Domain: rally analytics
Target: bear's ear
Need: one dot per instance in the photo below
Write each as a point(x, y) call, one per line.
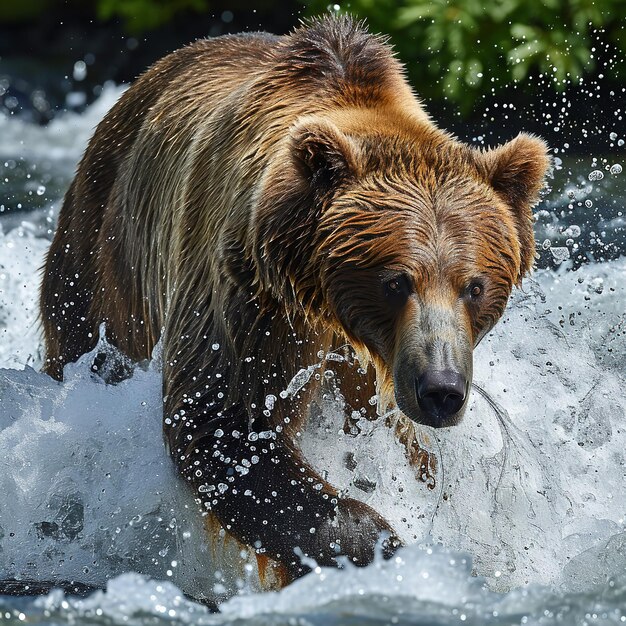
point(517, 172)
point(324, 156)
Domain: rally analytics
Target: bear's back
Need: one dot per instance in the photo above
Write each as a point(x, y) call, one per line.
point(332, 62)
point(178, 161)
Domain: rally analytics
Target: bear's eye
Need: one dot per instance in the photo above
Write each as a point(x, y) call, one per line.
point(397, 289)
point(475, 290)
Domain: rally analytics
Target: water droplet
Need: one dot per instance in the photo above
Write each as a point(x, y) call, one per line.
point(612, 136)
point(298, 381)
point(215, 347)
point(596, 175)
point(41, 190)
point(572, 231)
point(80, 70)
point(616, 169)
point(547, 244)
point(588, 203)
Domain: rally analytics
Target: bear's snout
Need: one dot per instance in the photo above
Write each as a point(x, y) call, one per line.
point(430, 394)
point(440, 395)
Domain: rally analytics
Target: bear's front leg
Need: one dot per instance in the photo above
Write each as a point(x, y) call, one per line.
point(264, 493)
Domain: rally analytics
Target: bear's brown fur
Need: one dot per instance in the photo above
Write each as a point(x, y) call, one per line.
point(255, 199)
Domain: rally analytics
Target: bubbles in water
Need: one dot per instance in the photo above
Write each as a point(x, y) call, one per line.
point(616, 169)
point(596, 175)
point(613, 136)
point(560, 253)
point(547, 244)
point(41, 189)
point(588, 203)
point(215, 347)
point(572, 231)
point(596, 285)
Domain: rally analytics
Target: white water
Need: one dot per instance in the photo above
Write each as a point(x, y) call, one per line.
point(537, 496)
point(528, 495)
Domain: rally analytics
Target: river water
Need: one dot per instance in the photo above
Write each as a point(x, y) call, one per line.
point(525, 524)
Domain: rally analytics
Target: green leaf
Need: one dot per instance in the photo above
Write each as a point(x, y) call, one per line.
point(525, 51)
point(472, 70)
point(409, 15)
point(523, 32)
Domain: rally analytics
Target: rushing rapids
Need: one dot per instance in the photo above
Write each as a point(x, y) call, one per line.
point(529, 490)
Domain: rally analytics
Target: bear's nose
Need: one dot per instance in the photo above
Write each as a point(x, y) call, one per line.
point(440, 394)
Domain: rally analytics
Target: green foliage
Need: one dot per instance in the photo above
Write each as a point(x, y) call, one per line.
point(457, 50)
point(142, 15)
point(15, 12)
point(461, 49)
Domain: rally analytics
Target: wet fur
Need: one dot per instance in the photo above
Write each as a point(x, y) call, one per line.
point(241, 193)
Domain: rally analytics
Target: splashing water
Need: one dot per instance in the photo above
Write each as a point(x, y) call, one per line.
point(529, 489)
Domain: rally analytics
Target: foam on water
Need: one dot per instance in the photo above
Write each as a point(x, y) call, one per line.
point(63, 139)
point(21, 255)
point(534, 476)
point(420, 586)
point(531, 484)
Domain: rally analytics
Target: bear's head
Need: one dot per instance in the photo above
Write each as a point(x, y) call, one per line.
point(406, 241)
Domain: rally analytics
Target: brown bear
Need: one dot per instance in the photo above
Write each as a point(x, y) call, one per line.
point(253, 200)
